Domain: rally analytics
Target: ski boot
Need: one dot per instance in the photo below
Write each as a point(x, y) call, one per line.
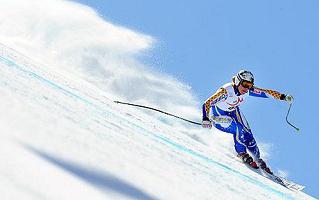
point(263, 166)
point(247, 159)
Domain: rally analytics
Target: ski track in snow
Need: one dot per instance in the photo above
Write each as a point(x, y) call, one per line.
point(111, 117)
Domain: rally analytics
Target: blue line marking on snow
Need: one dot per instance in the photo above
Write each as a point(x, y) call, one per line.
point(161, 138)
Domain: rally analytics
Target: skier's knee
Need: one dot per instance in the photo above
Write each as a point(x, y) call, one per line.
point(240, 148)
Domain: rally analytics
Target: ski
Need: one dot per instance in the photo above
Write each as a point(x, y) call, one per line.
point(286, 183)
point(277, 179)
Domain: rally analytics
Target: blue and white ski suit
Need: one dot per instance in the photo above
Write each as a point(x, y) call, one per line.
point(227, 117)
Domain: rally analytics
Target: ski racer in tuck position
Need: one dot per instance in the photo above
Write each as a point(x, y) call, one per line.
point(227, 117)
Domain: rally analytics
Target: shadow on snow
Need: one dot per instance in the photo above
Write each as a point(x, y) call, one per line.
point(101, 180)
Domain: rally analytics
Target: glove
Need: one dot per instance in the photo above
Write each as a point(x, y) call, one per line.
point(207, 123)
point(289, 98)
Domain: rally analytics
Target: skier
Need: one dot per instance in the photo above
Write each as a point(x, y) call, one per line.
point(227, 117)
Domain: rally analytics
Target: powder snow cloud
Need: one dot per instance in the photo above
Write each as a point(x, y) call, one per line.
point(73, 37)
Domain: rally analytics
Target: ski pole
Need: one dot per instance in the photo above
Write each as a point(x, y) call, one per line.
point(296, 128)
point(157, 110)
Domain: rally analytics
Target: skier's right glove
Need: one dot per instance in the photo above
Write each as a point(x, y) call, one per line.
point(289, 98)
point(206, 123)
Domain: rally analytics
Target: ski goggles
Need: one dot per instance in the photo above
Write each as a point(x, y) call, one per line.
point(247, 84)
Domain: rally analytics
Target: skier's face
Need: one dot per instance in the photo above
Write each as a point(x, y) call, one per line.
point(244, 87)
point(247, 84)
point(242, 90)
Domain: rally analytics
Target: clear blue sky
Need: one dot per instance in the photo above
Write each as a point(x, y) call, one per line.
point(204, 43)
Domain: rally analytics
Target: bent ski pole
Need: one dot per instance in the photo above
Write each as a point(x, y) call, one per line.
point(296, 128)
point(157, 110)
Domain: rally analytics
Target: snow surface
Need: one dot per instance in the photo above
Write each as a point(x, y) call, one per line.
point(62, 138)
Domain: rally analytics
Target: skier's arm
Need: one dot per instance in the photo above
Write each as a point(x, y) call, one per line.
point(219, 96)
point(266, 93)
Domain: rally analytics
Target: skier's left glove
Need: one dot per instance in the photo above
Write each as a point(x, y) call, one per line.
point(207, 123)
point(289, 98)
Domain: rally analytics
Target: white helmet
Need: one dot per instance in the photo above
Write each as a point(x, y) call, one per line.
point(243, 75)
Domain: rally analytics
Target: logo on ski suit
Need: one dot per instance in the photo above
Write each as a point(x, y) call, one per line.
point(235, 103)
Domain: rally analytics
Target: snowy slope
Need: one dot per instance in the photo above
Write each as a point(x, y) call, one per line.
point(63, 138)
